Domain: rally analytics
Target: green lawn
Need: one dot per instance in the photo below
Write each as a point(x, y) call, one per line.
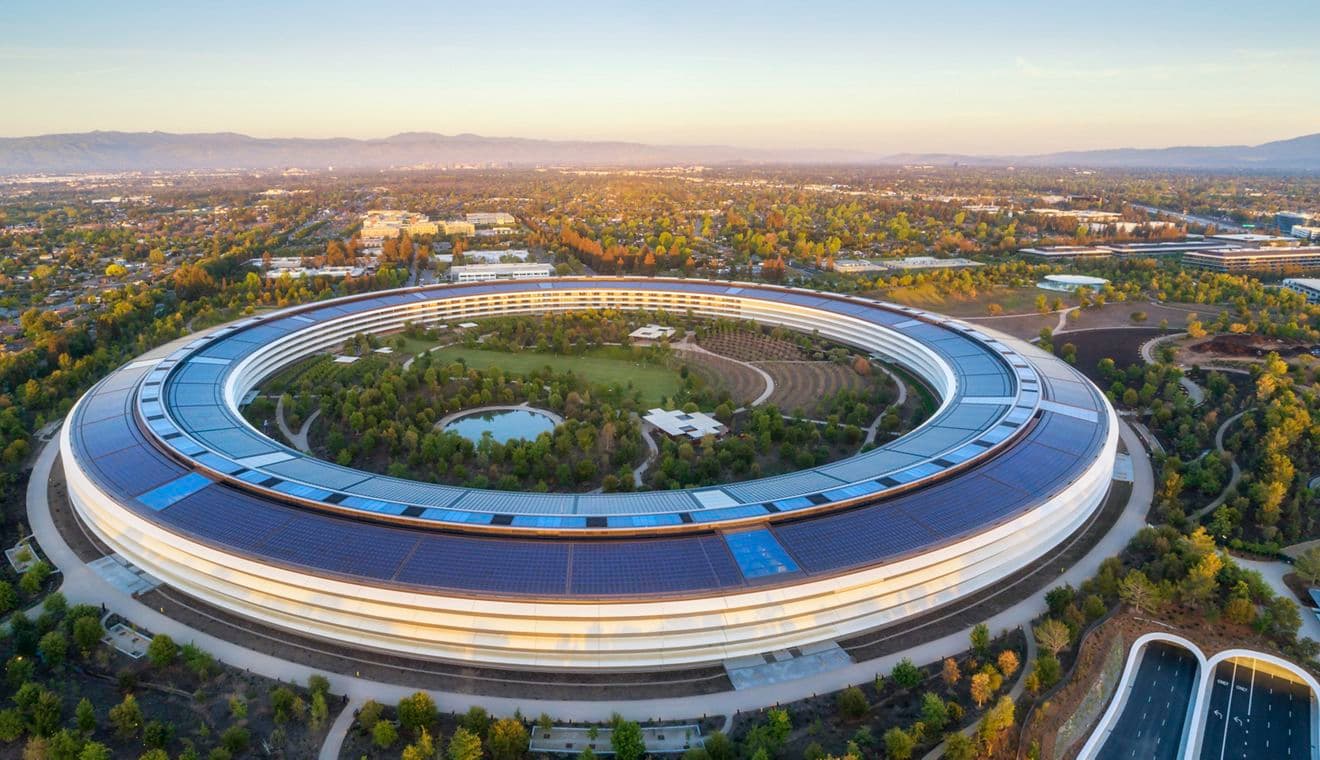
point(1013, 300)
point(604, 366)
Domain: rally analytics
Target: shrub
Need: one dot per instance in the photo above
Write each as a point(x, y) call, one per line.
point(508, 739)
point(417, 712)
point(383, 734)
point(369, 714)
point(162, 651)
point(852, 703)
point(905, 674)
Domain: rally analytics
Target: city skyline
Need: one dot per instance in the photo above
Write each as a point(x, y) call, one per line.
point(771, 76)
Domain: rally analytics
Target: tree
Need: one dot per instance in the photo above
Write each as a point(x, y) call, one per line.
point(464, 745)
point(162, 651)
point(852, 703)
point(998, 720)
point(1138, 592)
point(719, 746)
point(417, 712)
point(1307, 565)
point(53, 648)
point(898, 744)
point(508, 739)
point(94, 751)
point(235, 739)
point(905, 674)
point(981, 639)
point(85, 716)
point(951, 673)
point(981, 689)
point(958, 746)
point(1008, 663)
point(626, 741)
point(369, 714)
point(87, 633)
point(126, 717)
point(934, 712)
point(384, 734)
point(1053, 636)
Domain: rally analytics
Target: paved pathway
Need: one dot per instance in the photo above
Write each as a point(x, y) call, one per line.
point(299, 439)
point(1273, 573)
point(83, 585)
point(334, 738)
point(1234, 476)
point(653, 451)
point(874, 428)
point(1148, 348)
point(687, 345)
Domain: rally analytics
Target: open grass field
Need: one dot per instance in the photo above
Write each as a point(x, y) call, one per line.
point(801, 385)
point(603, 366)
point(1013, 300)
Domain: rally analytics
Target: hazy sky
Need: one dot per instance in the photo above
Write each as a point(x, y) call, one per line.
point(919, 75)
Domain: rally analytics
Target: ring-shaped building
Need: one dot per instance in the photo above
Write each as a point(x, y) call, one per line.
point(163, 468)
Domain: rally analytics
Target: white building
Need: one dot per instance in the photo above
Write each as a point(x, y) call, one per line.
point(485, 257)
point(652, 332)
point(1304, 232)
point(1307, 286)
point(677, 423)
point(486, 272)
point(491, 219)
point(388, 223)
point(1255, 240)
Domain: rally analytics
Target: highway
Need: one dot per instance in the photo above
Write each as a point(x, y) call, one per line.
point(1222, 225)
point(1151, 725)
point(1254, 714)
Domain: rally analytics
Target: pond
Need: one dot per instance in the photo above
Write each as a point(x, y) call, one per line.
point(504, 425)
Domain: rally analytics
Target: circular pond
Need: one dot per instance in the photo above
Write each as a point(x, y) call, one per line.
point(503, 425)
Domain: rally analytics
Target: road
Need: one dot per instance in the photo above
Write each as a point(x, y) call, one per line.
point(1254, 714)
point(1222, 225)
point(1151, 724)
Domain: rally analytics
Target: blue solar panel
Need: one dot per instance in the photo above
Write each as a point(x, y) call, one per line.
point(476, 564)
point(136, 468)
point(163, 496)
point(758, 554)
point(848, 539)
point(223, 515)
point(652, 566)
point(368, 551)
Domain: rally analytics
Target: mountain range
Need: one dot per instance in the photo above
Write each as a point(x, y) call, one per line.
point(162, 151)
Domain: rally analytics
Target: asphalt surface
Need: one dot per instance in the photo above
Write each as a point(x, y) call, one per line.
point(1151, 724)
point(1256, 715)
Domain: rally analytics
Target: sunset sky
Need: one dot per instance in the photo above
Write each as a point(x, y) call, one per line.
point(1019, 77)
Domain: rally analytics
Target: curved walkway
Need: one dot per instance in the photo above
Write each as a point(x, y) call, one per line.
point(299, 439)
point(1148, 348)
point(687, 345)
point(81, 584)
point(652, 449)
point(1234, 476)
point(874, 428)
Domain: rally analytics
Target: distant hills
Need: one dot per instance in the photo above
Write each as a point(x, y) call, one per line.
point(161, 151)
point(1296, 154)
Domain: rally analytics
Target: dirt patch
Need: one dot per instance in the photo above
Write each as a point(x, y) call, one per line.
point(1246, 346)
point(1121, 344)
point(802, 385)
point(1299, 589)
